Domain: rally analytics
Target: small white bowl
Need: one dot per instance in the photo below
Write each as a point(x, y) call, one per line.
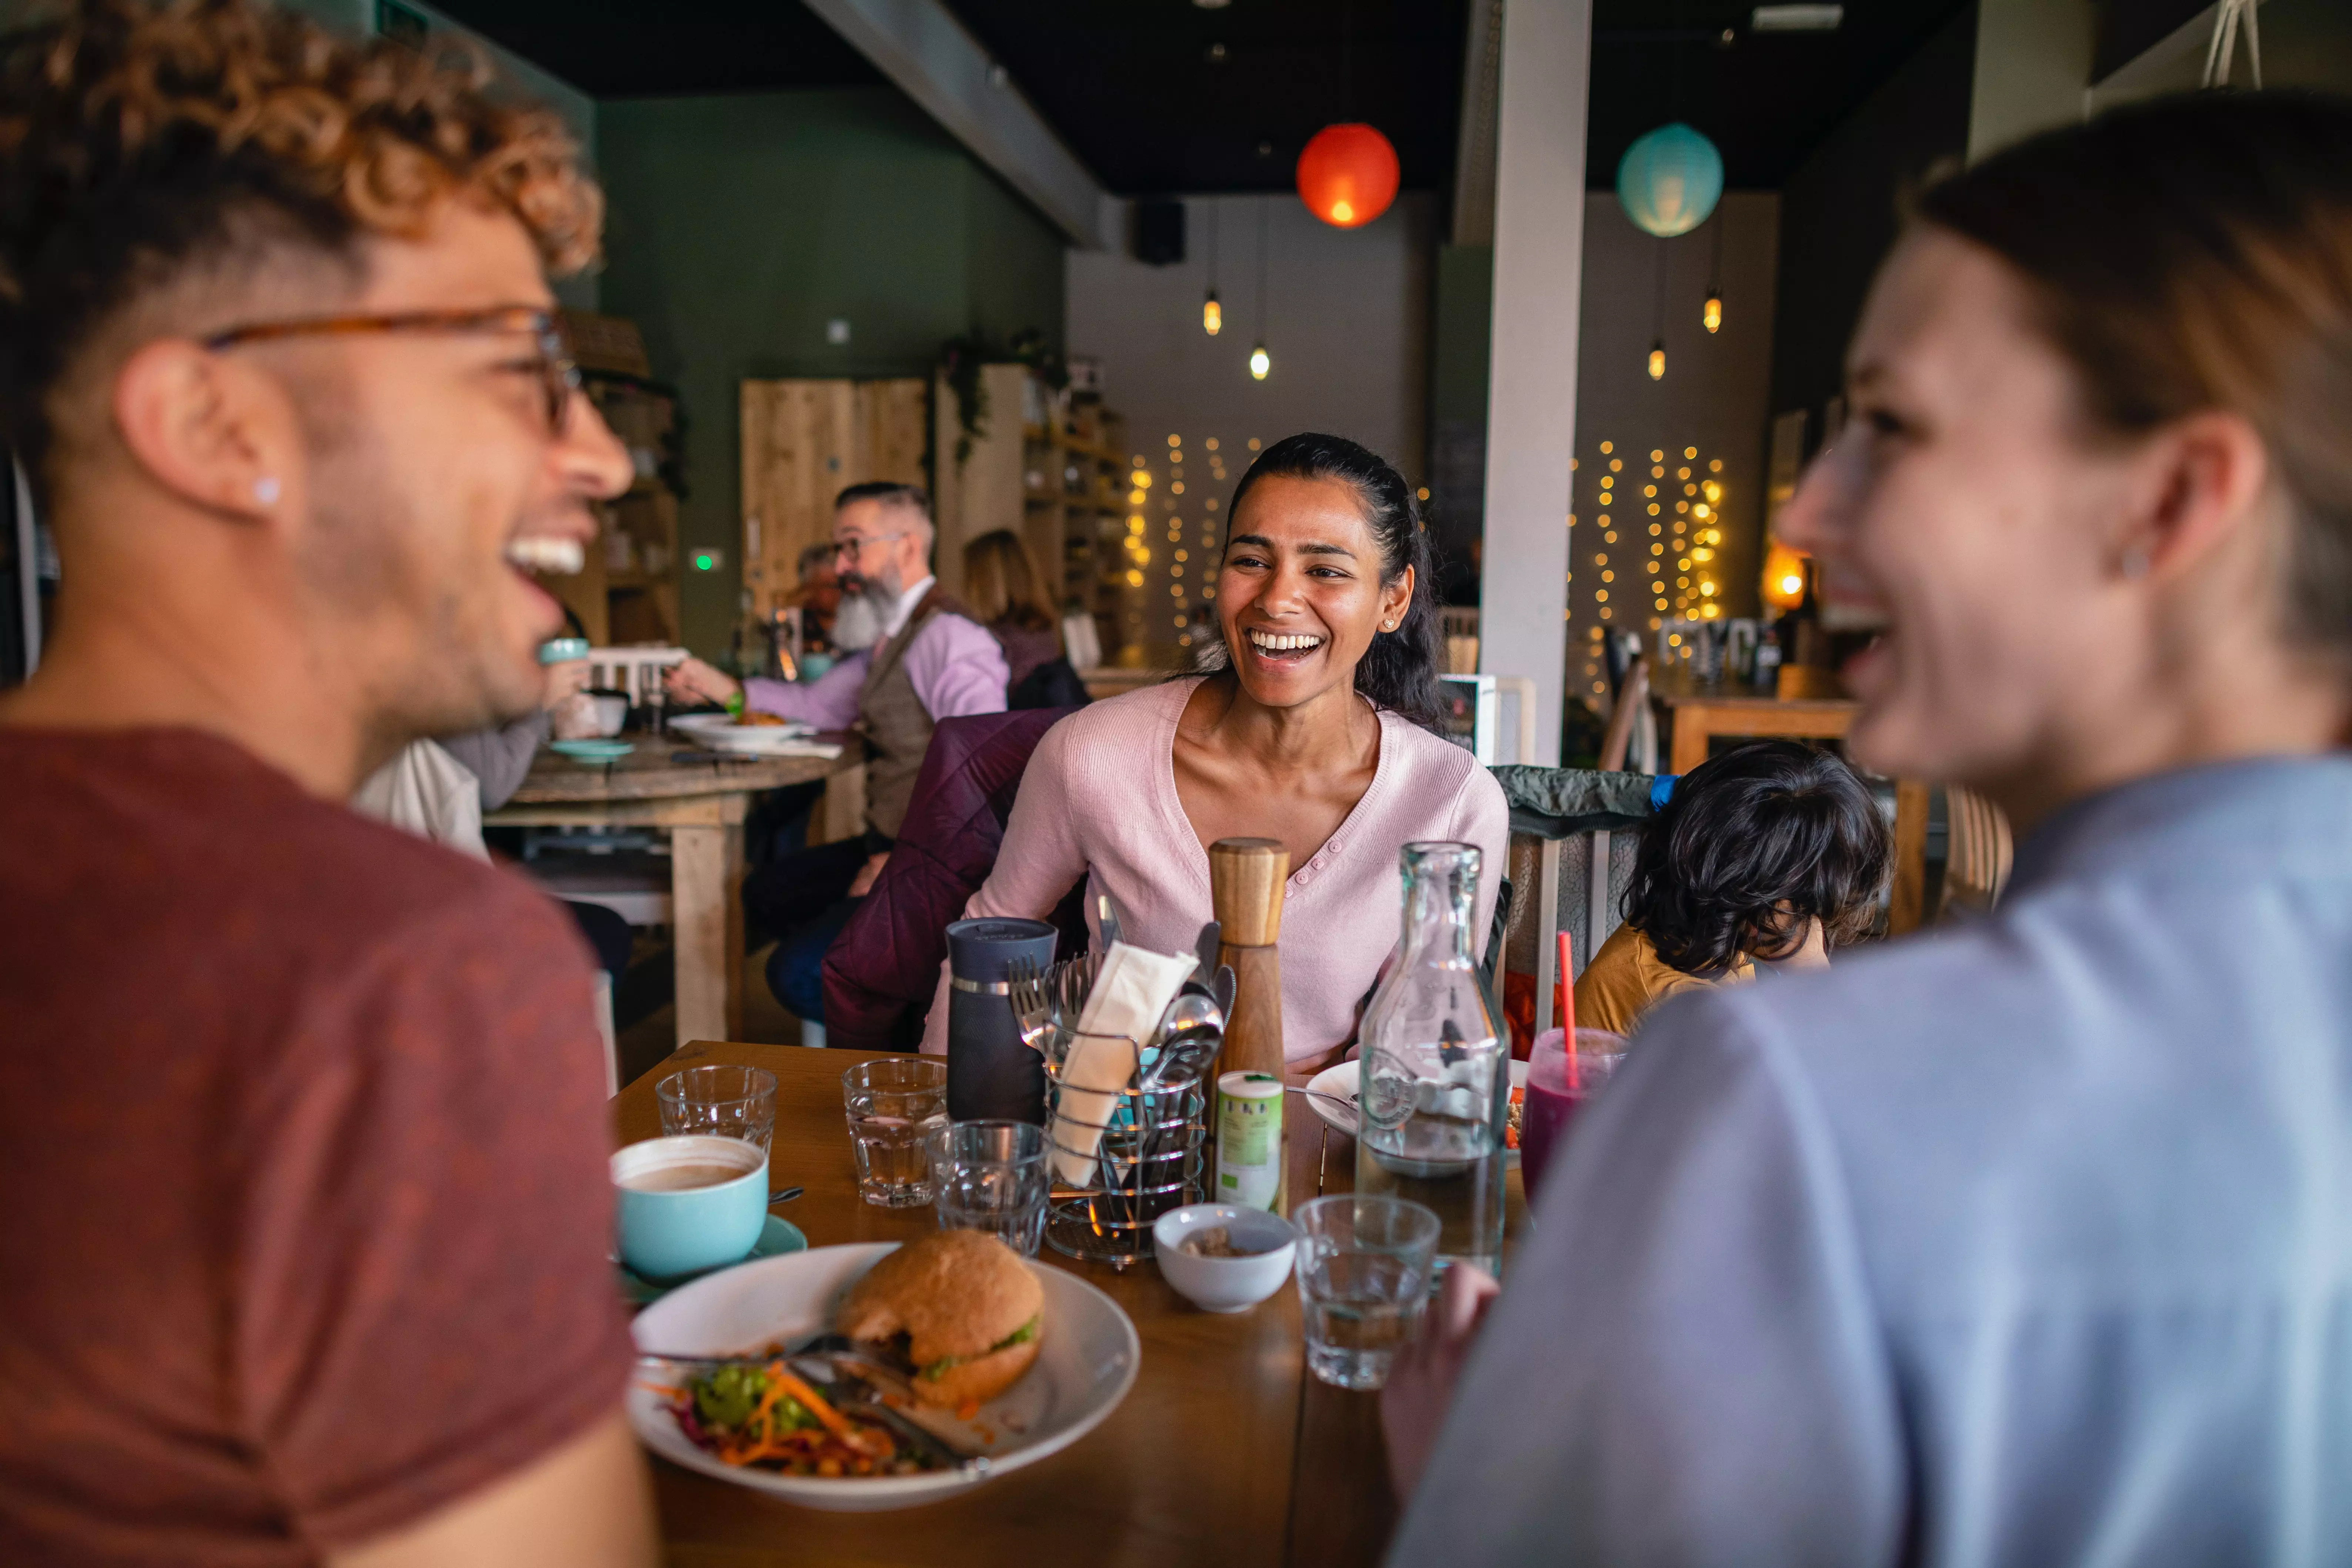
point(1226, 1284)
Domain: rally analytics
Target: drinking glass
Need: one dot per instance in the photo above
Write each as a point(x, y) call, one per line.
point(1554, 1094)
point(990, 1176)
point(1364, 1270)
point(894, 1105)
point(719, 1102)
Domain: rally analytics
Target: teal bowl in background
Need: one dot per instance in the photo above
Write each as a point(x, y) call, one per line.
point(562, 650)
point(663, 1235)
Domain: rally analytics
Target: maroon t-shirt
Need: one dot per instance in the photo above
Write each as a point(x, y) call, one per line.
point(304, 1217)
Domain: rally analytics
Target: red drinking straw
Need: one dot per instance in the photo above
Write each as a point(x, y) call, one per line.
point(1563, 1009)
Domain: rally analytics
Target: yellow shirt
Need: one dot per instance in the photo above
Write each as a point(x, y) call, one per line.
point(1627, 978)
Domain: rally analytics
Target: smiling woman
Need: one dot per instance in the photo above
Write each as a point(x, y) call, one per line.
point(1309, 728)
point(2031, 1232)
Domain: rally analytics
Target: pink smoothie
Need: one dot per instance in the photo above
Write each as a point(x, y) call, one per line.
point(1542, 1121)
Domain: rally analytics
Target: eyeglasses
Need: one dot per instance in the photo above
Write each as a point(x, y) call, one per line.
point(559, 375)
point(854, 548)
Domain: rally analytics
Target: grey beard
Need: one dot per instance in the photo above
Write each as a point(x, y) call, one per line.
point(858, 624)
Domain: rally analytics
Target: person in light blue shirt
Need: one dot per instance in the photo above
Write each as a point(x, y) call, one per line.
point(2028, 1241)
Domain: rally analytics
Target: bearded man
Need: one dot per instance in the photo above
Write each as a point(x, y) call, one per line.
point(914, 657)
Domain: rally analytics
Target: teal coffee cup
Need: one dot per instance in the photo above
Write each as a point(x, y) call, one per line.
point(689, 1204)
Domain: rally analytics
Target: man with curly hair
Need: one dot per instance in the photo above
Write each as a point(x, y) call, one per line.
point(299, 1118)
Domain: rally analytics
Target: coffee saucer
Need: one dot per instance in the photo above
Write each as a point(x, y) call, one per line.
point(777, 1238)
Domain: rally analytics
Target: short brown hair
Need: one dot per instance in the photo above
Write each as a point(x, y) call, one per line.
point(141, 139)
point(2190, 254)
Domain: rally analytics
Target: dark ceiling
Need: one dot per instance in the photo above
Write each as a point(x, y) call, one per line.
point(1767, 99)
point(1137, 90)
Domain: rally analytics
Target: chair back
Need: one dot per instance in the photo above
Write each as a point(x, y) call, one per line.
point(883, 968)
point(1979, 852)
point(635, 670)
point(1621, 739)
point(1574, 832)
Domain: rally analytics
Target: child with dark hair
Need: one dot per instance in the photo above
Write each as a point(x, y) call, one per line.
point(1773, 853)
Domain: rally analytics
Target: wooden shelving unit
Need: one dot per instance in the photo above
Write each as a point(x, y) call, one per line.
point(627, 590)
point(1054, 469)
point(1080, 512)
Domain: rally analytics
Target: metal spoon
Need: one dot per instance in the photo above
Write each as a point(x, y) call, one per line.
point(1107, 918)
point(1193, 1030)
point(1191, 1010)
point(1181, 1058)
point(785, 1196)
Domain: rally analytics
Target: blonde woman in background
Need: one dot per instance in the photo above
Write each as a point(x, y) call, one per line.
point(1000, 584)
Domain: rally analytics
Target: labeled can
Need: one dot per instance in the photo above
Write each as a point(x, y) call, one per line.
point(1249, 1140)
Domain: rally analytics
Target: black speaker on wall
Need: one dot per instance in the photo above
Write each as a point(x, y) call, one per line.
point(1160, 232)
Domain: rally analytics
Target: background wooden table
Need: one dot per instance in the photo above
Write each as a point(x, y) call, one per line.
point(1699, 714)
point(702, 804)
point(1224, 1453)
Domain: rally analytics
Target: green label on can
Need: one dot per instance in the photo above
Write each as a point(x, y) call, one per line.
point(1249, 1140)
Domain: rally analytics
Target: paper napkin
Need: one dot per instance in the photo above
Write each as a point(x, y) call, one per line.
point(1131, 995)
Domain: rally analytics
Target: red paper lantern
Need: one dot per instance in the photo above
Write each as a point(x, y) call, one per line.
point(1347, 175)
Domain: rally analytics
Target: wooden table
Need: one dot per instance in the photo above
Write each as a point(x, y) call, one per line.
point(1700, 714)
point(1224, 1452)
point(702, 804)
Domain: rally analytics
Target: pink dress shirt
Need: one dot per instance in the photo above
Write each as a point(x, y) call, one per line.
point(954, 664)
point(1099, 801)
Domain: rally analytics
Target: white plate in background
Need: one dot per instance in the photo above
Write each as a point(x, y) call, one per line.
point(1340, 1083)
point(717, 732)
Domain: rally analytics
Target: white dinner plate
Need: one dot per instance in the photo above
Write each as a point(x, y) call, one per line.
point(717, 732)
point(1086, 1359)
point(1340, 1083)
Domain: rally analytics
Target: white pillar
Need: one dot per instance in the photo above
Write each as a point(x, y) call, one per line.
point(1531, 401)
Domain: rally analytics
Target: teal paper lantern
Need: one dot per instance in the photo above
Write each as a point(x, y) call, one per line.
point(1669, 181)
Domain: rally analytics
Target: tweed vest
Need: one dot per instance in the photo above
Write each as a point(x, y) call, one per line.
point(894, 722)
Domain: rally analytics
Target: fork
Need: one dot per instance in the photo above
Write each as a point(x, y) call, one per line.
point(1033, 1008)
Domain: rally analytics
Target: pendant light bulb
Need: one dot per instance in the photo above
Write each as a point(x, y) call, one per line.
point(1711, 314)
point(1260, 362)
point(1213, 315)
point(1658, 361)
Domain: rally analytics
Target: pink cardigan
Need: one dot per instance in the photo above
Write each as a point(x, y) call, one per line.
point(1100, 800)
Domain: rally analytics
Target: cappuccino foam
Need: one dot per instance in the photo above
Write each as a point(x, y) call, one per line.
point(684, 1177)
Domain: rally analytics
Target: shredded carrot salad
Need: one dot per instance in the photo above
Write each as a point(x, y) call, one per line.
point(764, 1416)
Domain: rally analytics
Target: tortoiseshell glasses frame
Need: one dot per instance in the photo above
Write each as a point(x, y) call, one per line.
point(559, 375)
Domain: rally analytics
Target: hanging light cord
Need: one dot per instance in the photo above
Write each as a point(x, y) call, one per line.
point(1658, 314)
point(1264, 208)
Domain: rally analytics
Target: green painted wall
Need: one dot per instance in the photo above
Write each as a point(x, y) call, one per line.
point(740, 225)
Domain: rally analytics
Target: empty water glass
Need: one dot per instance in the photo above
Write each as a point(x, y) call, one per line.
point(990, 1176)
point(719, 1102)
point(894, 1104)
point(1364, 1268)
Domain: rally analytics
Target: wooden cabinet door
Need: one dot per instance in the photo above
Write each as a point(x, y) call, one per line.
point(803, 441)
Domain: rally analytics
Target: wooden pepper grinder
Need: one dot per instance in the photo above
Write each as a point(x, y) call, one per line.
point(1246, 878)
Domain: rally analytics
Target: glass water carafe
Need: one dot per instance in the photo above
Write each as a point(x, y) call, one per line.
point(1435, 1085)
